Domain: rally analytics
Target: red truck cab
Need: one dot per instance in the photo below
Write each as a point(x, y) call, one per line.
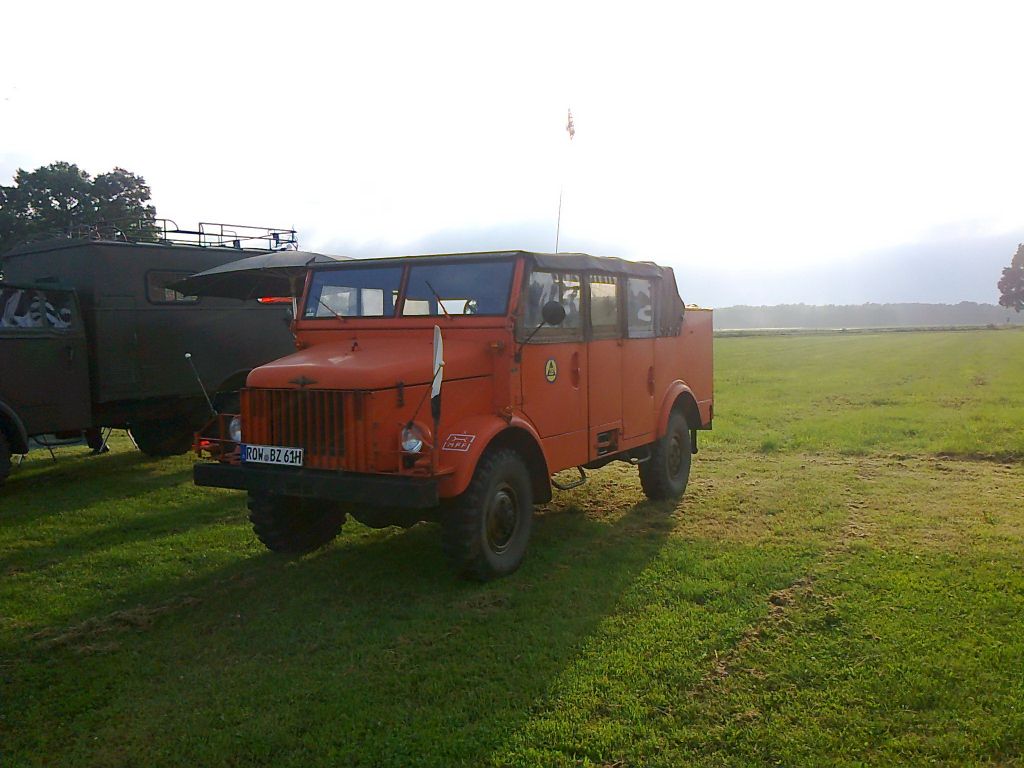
point(550, 361)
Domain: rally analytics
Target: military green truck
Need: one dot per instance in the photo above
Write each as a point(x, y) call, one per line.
point(92, 337)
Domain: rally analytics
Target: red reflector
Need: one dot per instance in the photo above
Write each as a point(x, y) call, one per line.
point(274, 300)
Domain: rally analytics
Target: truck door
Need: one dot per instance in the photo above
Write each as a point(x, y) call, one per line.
point(605, 356)
point(638, 416)
point(43, 359)
point(116, 349)
point(553, 368)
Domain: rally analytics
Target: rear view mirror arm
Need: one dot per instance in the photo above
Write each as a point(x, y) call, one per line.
point(519, 348)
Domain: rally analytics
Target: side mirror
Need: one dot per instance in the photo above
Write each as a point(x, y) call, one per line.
point(553, 313)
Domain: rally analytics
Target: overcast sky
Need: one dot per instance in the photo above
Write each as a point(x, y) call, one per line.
point(770, 152)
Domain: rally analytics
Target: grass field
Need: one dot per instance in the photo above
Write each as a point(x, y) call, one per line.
point(842, 584)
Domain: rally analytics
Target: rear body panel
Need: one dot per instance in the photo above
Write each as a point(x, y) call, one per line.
point(696, 360)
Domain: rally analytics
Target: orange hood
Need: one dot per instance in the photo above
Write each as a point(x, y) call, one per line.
point(375, 363)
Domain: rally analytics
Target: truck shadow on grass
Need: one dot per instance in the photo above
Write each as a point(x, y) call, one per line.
point(79, 482)
point(153, 521)
point(368, 651)
point(73, 460)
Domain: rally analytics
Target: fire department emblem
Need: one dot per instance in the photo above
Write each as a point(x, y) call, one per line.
point(551, 370)
point(457, 442)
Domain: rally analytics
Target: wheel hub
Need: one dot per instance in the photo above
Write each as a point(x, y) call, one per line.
point(675, 455)
point(502, 519)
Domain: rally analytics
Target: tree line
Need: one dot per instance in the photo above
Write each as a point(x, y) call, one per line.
point(62, 200)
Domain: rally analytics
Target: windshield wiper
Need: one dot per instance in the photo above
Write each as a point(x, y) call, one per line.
point(330, 309)
point(437, 296)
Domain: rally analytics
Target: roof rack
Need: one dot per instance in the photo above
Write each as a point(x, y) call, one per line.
point(215, 235)
point(206, 235)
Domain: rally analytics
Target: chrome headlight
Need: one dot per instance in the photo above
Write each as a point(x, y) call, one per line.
point(412, 439)
point(235, 429)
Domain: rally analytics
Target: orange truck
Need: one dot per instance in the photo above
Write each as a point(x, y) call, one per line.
point(452, 388)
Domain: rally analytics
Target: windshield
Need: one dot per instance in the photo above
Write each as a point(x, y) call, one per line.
point(453, 288)
point(460, 288)
point(362, 292)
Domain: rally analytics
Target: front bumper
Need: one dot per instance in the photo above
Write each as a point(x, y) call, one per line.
point(372, 490)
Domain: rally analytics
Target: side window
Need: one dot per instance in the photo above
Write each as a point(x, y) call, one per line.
point(604, 306)
point(158, 293)
point(563, 287)
point(22, 308)
point(640, 308)
point(59, 310)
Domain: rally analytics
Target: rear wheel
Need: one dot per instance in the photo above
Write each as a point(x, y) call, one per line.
point(160, 438)
point(665, 474)
point(294, 525)
point(487, 528)
point(5, 458)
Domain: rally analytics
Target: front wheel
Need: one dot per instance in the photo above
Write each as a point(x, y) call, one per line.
point(487, 528)
point(294, 525)
point(665, 474)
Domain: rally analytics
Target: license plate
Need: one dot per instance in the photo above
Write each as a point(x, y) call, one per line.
point(271, 454)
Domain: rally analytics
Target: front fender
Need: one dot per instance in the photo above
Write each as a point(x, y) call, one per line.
point(467, 442)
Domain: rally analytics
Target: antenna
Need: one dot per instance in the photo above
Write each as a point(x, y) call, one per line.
point(570, 128)
point(558, 227)
point(188, 356)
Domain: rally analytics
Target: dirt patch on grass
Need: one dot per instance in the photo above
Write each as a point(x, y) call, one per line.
point(95, 635)
point(856, 527)
point(890, 503)
point(483, 604)
point(944, 504)
point(779, 603)
point(777, 499)
point(1001, 457)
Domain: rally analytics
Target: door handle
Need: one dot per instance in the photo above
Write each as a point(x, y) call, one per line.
point(650, 379)
point(70, 349)
point(574, 370)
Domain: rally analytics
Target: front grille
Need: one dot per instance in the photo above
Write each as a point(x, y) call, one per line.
point(314, 420)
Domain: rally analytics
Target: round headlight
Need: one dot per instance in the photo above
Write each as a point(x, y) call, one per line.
point(235, 429)
point(412, 440)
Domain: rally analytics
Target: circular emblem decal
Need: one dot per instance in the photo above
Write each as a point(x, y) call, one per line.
point(551, 370)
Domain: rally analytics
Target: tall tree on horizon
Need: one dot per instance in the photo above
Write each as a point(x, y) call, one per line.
point(1011, 285)
point(62, 200)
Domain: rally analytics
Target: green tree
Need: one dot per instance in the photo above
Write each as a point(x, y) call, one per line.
point(1011, 285)
point(62, 200)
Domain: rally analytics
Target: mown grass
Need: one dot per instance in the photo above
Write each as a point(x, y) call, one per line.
point(832, 590)
point(952, 393)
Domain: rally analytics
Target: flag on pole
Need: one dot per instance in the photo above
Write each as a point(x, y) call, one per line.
point(570, 127)
point(435, 384)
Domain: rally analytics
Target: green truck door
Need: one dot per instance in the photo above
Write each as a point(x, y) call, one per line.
point(44, 368)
